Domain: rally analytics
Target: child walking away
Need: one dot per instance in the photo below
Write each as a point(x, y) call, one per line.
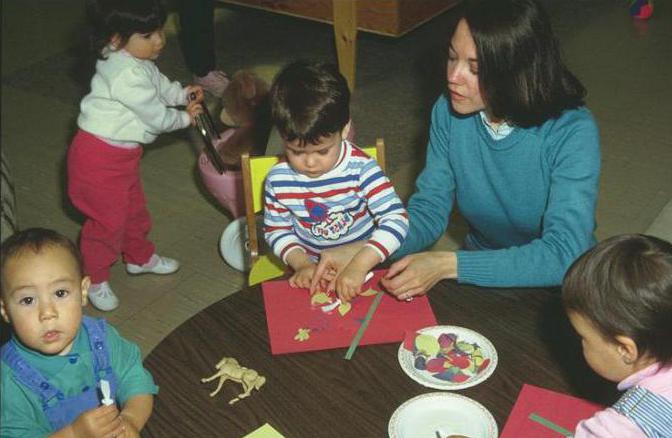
point(130, 104)
point(63, 374)
point(327, 192)
point(618, 297)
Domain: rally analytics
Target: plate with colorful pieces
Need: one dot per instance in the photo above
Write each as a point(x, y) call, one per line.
point(447, 357)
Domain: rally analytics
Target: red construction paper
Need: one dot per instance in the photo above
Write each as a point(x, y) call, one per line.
point(564, 410)
point(289, 309)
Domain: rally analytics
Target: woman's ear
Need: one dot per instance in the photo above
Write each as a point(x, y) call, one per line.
point(628, 350)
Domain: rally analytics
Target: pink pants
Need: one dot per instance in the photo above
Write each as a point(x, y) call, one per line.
point(104, 184)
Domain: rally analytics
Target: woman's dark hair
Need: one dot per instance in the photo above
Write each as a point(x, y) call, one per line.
point(35, 239)
point(521, 74)
point(624, 287)
point(124, 18)
point(309, 101)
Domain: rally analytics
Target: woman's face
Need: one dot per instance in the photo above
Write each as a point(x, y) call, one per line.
point(462, 72)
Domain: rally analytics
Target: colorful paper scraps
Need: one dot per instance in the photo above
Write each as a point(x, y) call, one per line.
point(446, 357)
point(302, 334)
point(344, 308)
point(320, 298)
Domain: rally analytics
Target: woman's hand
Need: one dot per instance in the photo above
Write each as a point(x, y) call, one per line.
point(332, 262)
point(416, 274)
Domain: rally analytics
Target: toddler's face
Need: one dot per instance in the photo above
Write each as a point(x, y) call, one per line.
point(146, 45)
point(602, 355)
point(42, 297)
point(314, 160)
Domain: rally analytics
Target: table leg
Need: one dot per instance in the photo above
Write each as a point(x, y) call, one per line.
point(345, 34)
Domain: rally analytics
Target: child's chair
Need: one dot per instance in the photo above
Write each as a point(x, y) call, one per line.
point(254, 170)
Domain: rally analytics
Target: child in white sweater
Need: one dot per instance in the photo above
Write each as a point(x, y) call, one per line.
point(130, 104)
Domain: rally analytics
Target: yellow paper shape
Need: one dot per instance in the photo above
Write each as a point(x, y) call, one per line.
point(368, 293)
point(265, 269)
point(265, 431)
point(302, 334)
point(344, 308)
point(320, 298)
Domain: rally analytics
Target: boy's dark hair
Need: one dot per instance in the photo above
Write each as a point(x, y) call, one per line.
point(624, 287)
point(521, 74)
point(122, 17)
point(309, 101)
point(35, 239)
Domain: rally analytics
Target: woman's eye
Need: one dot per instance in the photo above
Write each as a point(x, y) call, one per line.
point(61, 293)
point(323, 152)
point(146, 35)
point(27, 301)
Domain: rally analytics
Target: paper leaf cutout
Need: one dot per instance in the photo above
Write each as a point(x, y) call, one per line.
point(344, 308)
point(368, 293)
point(302, 334)
point(427, 345)
point(320, 298)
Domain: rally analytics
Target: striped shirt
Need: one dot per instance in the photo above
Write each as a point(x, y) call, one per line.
point(353, 201)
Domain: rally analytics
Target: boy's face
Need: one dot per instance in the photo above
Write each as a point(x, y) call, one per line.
point(42, 298)
point(314, 160)
point(602, 355)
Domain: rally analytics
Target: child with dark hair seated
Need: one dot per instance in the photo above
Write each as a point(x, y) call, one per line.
point(58, 365)
point(618, 297)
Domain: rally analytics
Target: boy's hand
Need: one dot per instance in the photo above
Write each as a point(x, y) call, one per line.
point(349, 282)
point(303, 276)
point(101, 422)
point(194, 108)
point(195, 93)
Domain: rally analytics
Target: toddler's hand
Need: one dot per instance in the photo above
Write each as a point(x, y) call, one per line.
point(195, 93)
point(303, 276)
point(100, 422)
point(129, 429)
point(194, 108)
point(349, 283)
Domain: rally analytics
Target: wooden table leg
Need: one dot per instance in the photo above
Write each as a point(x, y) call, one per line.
point(345, 34)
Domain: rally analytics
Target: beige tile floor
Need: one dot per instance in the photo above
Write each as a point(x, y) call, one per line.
point(625, 65)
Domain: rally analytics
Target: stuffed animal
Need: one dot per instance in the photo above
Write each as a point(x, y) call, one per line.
point(246, 110)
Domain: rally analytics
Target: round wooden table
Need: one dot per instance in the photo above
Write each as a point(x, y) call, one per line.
point(319, 394)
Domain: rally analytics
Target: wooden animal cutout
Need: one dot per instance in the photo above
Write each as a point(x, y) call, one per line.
point(229, 369)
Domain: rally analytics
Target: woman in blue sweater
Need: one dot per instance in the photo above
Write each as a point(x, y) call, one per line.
point(513, 147)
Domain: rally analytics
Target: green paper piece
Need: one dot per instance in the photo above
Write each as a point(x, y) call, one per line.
point(265, 431)
point(362, 328)
point(544, 422)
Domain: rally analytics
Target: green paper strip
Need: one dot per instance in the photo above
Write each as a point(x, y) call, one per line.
point(544, 422)
point(362, 328)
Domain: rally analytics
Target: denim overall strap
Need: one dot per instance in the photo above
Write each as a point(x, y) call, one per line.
point(27, 375)
point(102, 368)
point(650, 411)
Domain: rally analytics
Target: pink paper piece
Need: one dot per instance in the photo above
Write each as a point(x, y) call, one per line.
point(564, 410)
point(288, 309)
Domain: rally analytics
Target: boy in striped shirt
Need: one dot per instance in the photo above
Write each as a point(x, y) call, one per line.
point(326, 192)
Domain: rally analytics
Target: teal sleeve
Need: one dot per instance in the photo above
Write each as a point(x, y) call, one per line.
point(20, 414)
point(568, 222)
point(132, 377)
point(430, 206)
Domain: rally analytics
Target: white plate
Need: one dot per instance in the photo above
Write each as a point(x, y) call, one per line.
point(426, 378)
point(443, 412)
